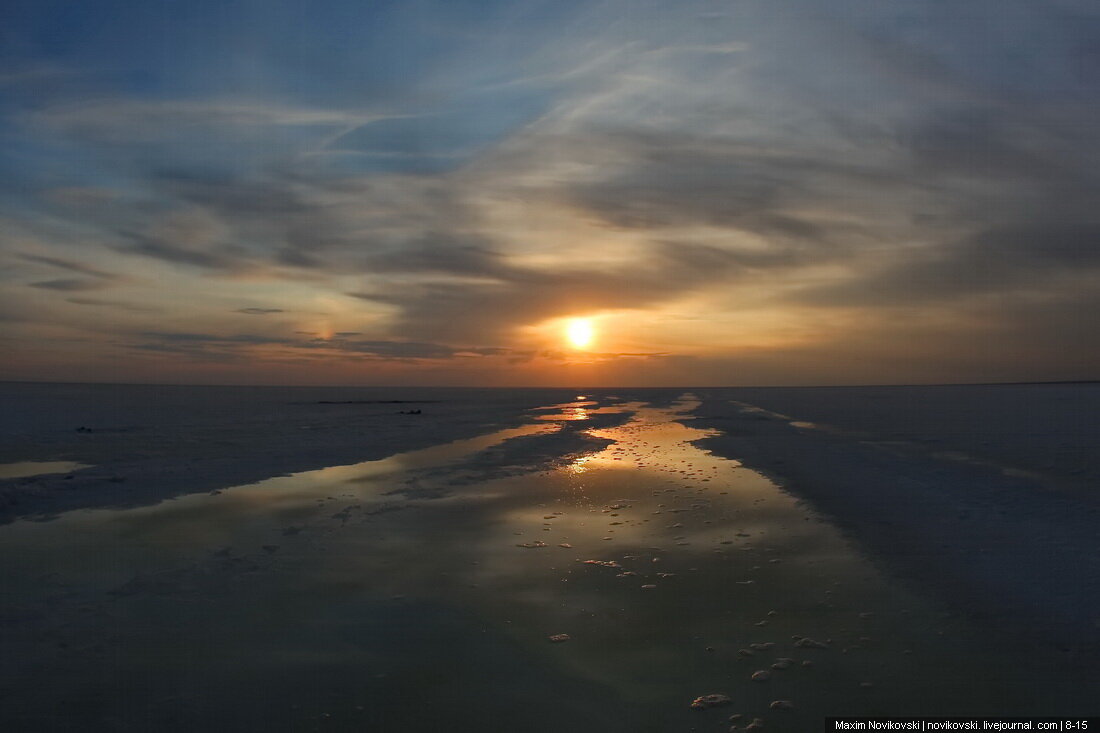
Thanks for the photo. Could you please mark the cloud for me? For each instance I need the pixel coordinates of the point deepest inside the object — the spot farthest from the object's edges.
(510, 296)
(126, 121)
(162, 248)
(66, 264)
(865, 166)
(1021, 259)
(441, 139)
(70, 285)
(98, 279)
(240, 346)
(121, 305)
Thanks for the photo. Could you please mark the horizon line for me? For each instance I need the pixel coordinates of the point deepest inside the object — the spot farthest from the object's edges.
(566, 387)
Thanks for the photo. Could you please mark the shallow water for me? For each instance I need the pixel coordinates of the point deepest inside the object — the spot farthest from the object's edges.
(418, 593)
(25, 469)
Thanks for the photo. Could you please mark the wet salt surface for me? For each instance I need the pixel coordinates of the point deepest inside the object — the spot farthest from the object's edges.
(432, 590)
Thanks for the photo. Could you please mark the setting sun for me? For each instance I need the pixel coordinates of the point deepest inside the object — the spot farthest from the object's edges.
(579, 332)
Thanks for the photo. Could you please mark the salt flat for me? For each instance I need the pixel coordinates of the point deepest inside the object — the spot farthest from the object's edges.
(146, 443)
(986, 493)
(686, 543)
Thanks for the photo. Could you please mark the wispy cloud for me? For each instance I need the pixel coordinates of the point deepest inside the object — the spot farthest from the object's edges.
(70, 285)
(119, 304)
(66, 264)
(127, 121)
(205, 345)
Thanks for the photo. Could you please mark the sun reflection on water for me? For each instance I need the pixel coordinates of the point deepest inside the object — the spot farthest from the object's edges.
(578, 465)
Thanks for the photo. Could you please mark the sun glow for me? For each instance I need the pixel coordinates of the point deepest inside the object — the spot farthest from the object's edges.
(579, 332)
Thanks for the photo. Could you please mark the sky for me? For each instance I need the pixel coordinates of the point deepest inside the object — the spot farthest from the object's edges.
(440, 192)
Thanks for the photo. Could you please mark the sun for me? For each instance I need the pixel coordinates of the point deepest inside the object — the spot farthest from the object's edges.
(579, 333)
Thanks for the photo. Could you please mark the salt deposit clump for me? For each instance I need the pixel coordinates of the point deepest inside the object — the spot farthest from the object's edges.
(709, 701)
(808, 643)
